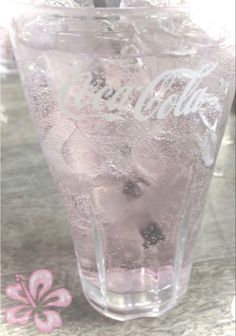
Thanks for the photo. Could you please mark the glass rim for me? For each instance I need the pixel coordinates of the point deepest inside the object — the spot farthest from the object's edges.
(99, 11)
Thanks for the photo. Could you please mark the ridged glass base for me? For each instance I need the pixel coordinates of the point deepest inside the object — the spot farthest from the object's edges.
(128, 306)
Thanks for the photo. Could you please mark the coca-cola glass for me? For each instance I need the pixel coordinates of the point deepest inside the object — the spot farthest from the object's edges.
(130, 100)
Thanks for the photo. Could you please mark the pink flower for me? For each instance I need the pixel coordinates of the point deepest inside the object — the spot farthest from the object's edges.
(36, 301)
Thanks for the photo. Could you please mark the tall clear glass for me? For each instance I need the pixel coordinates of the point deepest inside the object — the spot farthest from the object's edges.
(130, 103)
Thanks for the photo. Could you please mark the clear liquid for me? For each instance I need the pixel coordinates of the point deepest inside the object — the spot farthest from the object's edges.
(134, 240)
(134, 191)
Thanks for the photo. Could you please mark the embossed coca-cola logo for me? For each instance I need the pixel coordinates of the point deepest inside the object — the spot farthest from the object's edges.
(159, 99)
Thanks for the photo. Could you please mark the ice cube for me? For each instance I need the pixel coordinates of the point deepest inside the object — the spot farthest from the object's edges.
(80, 154)
(164, 200)
(45, 30)
(115, 198)
(166, 33)
(150, 157)
(109, 201)
(59, 130)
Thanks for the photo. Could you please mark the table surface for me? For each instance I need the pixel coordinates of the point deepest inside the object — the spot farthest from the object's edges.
(35, 235)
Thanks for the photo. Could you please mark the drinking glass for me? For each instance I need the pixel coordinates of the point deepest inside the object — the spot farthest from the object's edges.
(130, 100)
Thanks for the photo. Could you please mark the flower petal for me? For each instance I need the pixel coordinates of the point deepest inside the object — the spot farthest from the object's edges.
(15, 292)
(23, 318)
(58, 298)
(51, 321)
(40, 282)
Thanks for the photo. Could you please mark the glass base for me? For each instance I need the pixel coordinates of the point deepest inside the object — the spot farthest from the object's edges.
(128, 306)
